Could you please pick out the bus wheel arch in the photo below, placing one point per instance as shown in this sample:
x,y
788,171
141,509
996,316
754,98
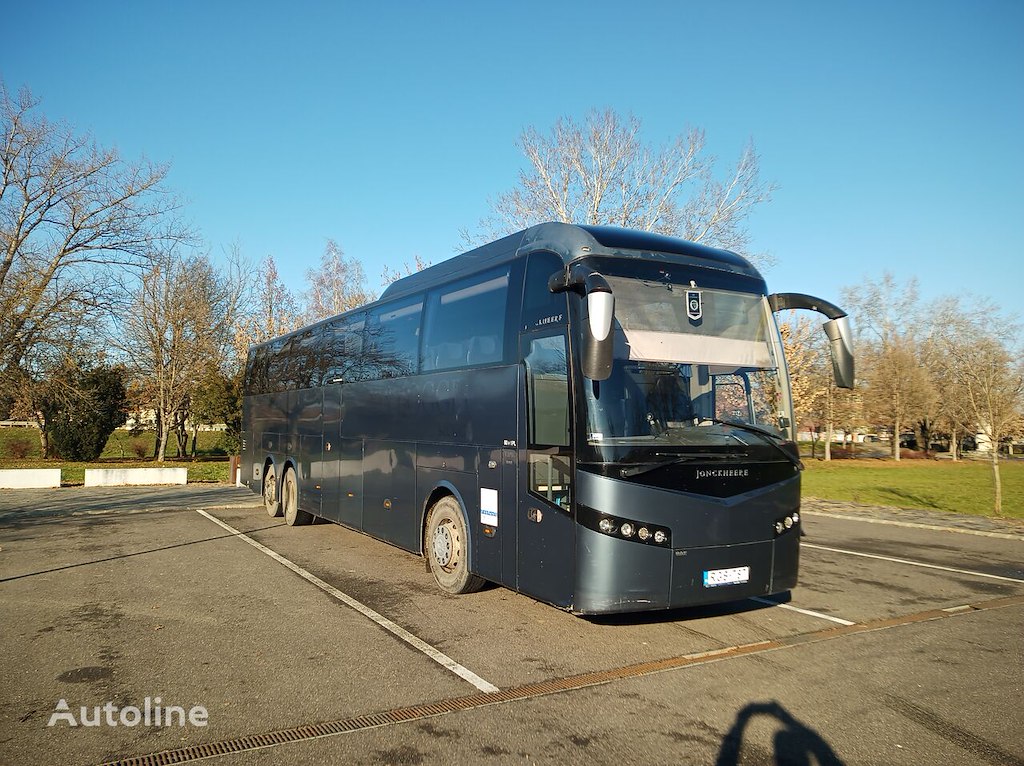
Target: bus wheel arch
x,y
271,490
446,545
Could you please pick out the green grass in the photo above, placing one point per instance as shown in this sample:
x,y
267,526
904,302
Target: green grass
x,y
961,487
120,452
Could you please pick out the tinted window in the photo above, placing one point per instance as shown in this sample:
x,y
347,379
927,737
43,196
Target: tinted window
x,y
465,322
547,388
392,338
542,307
277,365
549,458
256,379
306,359
343,348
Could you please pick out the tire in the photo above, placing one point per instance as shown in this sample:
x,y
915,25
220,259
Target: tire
x,y
293,517
447,548
271,497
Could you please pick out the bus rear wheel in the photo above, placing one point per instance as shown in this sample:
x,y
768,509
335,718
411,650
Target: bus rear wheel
x,y
293,517
271,496
447,548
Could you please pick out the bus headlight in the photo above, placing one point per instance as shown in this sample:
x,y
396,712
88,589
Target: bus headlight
x,y
786,523
624,529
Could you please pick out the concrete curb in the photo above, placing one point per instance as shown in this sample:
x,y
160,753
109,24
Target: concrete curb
x,y
29,478
121,477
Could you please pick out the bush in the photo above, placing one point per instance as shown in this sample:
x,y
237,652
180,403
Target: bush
x,y
79,425
140,449
19,449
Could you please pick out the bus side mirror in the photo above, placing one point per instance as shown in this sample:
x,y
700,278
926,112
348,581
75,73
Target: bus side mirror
x,y
598,340
598,316
837,329
839,341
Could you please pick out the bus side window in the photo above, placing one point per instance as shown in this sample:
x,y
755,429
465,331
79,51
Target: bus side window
x,y
465,322
256,371
392,339
277,365
343,348
541,307
547,396
307,358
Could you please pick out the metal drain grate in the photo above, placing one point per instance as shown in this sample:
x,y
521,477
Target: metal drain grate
x,y
527,691
430,710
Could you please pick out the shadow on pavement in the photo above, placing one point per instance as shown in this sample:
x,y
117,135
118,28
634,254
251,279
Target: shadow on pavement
x,y
793,742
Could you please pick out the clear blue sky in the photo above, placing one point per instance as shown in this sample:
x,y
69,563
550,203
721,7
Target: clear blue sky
x,y
893,129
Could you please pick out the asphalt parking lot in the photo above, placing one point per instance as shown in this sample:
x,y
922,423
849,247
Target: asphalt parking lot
x,y
903,644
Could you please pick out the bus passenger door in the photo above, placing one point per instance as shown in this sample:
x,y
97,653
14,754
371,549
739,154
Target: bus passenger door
x,y
544,524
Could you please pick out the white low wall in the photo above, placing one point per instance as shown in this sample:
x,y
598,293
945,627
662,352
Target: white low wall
x,y
119,477
29,478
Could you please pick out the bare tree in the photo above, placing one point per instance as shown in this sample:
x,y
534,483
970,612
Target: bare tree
x,y
72,215
897,388
267,308
978,357
601,172
805,357
335,286
181,319
390,275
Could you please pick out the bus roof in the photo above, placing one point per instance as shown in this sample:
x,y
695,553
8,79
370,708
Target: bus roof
x,y
571,242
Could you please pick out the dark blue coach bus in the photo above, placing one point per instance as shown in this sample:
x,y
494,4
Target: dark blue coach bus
x,y
595,417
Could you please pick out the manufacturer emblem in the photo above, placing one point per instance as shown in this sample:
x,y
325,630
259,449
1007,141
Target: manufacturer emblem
x,y
694,307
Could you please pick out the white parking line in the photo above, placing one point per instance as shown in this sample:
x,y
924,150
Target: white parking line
x,y
912,563
437,656
808,612
913,525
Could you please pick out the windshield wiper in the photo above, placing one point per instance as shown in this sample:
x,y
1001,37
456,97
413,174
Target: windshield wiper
x,y
769,436
675,459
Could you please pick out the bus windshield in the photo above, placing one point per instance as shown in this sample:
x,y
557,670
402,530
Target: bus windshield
x,y
694,371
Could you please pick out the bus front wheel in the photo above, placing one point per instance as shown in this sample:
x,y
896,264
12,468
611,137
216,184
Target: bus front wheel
x,y
271,496
447,548
293,517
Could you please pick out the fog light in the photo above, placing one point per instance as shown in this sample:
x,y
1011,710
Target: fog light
x,y
796,518
626,529
606,525
660,537
779,529
644,534
788,521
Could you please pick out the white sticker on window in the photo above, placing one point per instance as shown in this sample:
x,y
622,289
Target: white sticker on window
x,y
489,507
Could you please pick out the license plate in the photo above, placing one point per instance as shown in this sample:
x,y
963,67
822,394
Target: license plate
x,y
715,577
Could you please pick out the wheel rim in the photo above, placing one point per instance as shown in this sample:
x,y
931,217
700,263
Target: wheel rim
x,y
289,497
270,500
445,545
